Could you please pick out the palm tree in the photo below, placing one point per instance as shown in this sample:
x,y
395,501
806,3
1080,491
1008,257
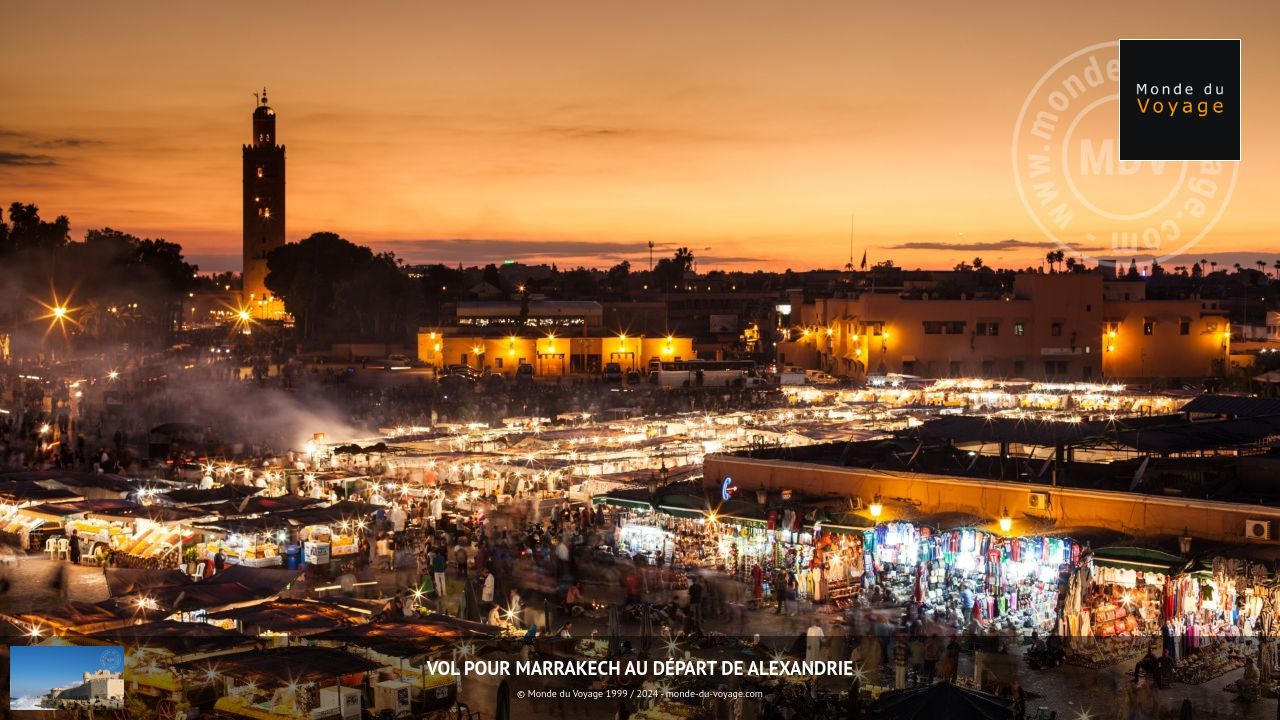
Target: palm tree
x,y
1262,266
1277,267
1213,266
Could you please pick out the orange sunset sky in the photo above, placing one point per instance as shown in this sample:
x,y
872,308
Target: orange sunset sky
x,y
577,132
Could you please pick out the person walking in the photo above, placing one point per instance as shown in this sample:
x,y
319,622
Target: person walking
x,y
439,564
486,592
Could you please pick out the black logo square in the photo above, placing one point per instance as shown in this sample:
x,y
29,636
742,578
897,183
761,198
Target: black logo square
x,y
1180,99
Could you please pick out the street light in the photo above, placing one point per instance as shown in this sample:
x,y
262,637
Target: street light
x,y
876,507
1006,522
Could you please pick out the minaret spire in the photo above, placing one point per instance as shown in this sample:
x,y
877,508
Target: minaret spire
x,y
264,94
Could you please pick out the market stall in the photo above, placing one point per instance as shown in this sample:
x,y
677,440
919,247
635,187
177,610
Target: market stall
x,y
404,649
968,574
292,682
158,535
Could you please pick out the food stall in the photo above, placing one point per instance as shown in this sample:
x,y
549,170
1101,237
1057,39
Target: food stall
x,y
326,543
288,682
97,532
404,649
252,542
158,534
24,531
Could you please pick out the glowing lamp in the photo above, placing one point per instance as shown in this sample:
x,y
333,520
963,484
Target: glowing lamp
x,y
876,507
1006,522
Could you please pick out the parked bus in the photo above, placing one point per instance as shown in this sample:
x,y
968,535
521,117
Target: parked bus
x,y
705,373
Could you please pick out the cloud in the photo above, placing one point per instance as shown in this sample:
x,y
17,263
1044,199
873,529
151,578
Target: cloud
x,y
17,159
978,246
67,142
588,252
586,132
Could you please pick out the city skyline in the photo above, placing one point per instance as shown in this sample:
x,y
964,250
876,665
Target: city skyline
x,y
577,134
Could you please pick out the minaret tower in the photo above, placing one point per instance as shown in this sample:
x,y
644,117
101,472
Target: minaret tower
x,y
263,210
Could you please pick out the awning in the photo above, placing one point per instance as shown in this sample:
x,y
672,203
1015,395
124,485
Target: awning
x,y
284,665
1141,559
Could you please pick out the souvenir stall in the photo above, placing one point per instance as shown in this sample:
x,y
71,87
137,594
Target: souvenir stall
x,y
1208,609
1112,606
1122,599
1014,579
649,535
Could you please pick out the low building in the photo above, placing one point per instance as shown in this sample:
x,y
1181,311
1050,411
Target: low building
x,y
549,354
1068,327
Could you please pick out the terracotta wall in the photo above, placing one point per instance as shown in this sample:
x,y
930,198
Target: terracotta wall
x,y
913,495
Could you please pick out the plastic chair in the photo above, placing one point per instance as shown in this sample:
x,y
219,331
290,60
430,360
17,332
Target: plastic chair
x,y
64,548
51,547
199,573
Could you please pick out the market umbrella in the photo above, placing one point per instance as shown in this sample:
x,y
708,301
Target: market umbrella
x,y
940,700
503,711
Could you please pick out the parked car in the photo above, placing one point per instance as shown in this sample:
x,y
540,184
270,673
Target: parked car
x,y
463,371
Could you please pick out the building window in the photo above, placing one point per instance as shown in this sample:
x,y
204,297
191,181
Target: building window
x,y
987,329
955,368
1184,327
1148,328
988,368
1019,368
1056,329
908,367
497,362
1088,307
943,327
1019,329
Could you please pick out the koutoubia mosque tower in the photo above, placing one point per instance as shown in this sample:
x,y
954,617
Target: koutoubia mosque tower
x,y
263,211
